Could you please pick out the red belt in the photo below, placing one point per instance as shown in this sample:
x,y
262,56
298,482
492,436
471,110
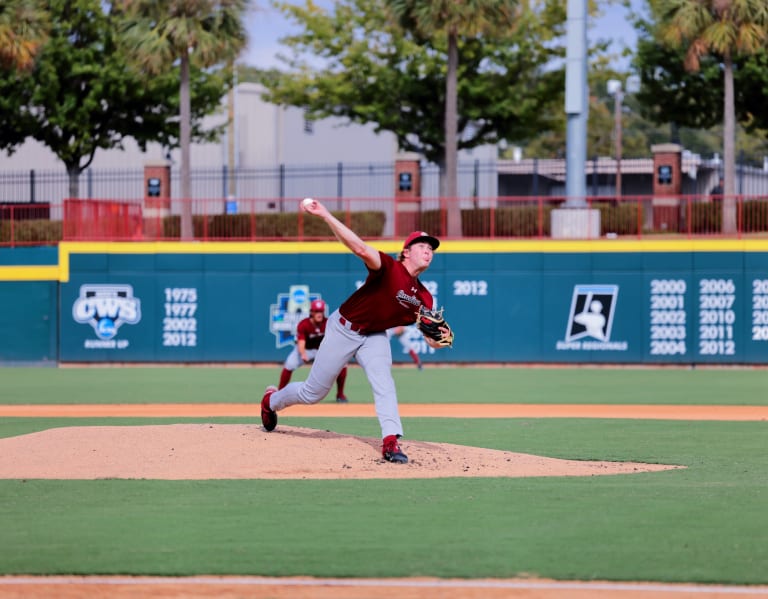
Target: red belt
x,y
352,327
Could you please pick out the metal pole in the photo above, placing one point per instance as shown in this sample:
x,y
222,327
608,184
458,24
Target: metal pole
x,y
740,170
617,117
576,103
232,188
594,176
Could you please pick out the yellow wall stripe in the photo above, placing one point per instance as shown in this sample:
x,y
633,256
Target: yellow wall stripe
x,y
394,246
29,273
60,272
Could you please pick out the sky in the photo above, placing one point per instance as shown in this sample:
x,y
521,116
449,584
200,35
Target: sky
x,y
266,25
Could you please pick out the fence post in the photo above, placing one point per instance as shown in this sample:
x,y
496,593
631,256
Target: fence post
x,y
594,176
282,186
535,177
89,180
339,184
740,170
32,185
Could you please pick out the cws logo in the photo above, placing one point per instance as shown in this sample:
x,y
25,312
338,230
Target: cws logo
x,y
591,319
106,308
290,309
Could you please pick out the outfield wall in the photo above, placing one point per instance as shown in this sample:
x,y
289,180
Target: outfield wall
x,y
606,302
29,291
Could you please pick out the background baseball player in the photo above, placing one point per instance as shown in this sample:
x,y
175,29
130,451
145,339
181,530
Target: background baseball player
x,y
391,296
309,333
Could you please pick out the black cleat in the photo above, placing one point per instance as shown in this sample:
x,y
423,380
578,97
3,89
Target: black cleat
x,y
391,451
268,415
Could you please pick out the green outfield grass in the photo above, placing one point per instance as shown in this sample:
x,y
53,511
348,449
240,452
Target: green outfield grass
x,y
461,384
706,523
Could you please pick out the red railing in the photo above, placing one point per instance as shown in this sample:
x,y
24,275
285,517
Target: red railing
x,y
94,220
28,224
387,218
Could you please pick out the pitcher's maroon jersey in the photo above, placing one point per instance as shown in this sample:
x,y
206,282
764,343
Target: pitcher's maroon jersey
x,y
390,297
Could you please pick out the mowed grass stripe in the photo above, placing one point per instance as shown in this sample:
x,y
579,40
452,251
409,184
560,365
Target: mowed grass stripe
x,y
435,384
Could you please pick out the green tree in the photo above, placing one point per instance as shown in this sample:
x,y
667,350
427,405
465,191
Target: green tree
x,y
81,96
468,19
689,104
600,129
23,30
671,95
751,85
355,63
203,33
726,29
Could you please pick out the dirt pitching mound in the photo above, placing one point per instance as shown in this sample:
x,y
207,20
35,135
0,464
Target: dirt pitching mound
x,y
222,451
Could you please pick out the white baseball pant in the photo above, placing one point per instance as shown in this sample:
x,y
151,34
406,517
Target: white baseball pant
x,y
372,352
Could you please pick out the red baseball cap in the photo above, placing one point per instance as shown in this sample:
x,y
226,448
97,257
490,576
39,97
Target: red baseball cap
x,y
317,305
421,236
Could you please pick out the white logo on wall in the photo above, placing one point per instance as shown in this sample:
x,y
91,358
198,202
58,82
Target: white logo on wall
x,y
412,339
290,309
106,308
591,319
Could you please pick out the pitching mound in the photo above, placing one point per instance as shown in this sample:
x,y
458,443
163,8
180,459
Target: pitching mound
x,y
218,451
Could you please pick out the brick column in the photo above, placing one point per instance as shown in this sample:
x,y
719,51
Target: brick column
x,y
407,194
664,213
157,197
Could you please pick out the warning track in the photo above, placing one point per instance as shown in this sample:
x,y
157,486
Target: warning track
x,y
333,410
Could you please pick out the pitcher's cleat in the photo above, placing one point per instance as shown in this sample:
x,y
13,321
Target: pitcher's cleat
x,y
391,451
268,415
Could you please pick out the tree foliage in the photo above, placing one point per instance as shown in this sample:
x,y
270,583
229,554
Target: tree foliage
x,y
637,135
356,64
670,93
81,96
751,84
446,20
198,34
23,30
690,103
726,30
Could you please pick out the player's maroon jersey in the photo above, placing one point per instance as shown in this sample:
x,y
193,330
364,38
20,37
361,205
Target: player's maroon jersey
x,y
390,297
311,331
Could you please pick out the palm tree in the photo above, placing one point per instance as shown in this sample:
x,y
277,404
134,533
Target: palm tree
x,y
161,32
23,30
727,29
452,19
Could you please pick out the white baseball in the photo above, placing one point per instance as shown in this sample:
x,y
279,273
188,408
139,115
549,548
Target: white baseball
x,y
306,202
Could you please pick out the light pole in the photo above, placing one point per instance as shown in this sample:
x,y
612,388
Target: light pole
x,y
615,89
231,132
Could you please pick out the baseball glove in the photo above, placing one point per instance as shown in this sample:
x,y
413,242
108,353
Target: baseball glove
x,y
432,324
